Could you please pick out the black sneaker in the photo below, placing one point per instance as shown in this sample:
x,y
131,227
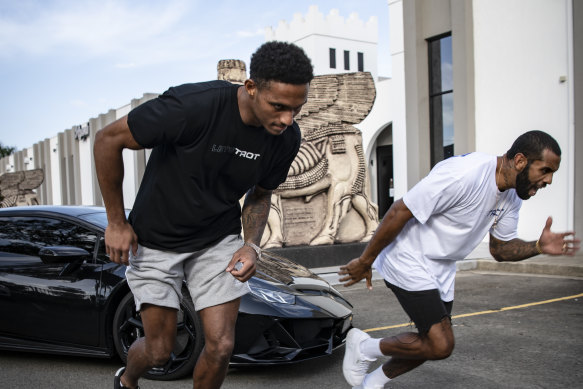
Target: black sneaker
x,y
117,378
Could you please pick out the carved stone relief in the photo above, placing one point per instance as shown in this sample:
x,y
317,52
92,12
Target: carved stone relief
x,y
18,188
232,70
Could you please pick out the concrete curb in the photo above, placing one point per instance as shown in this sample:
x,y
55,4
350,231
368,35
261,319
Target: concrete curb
x,y
527,267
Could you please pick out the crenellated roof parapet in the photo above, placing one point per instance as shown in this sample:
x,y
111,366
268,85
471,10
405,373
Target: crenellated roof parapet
x,y
314,22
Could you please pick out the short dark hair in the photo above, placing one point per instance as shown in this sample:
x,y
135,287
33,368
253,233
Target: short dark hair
x,y
532,144
280,61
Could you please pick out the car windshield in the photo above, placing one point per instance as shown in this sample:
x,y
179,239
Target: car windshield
x,y
98,218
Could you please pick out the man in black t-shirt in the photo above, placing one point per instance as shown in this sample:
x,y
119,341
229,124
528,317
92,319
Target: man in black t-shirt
x,y
211,143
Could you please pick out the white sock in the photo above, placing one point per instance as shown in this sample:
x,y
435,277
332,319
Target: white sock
x,y
371,348
375,378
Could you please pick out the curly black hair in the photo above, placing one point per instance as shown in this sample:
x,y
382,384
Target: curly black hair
x,y
532,144
280,61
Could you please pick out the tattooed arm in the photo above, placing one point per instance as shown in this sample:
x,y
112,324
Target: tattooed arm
x,y
254,214
254,218
512,250
550,243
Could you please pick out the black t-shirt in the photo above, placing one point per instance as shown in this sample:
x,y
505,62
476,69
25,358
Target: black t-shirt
x,y
204,159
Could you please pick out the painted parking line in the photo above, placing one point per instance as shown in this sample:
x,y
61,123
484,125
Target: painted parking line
x,y
487,312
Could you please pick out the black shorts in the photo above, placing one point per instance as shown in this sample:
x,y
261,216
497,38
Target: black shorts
x,y
425,308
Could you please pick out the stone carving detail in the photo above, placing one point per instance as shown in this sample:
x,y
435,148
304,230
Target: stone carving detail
x,y
17,188
331,165
232,70
309,166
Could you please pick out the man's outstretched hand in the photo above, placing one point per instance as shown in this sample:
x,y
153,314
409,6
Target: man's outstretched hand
x,y
563,243
354,271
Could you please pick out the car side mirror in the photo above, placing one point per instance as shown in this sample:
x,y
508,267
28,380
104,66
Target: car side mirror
x,y
62,254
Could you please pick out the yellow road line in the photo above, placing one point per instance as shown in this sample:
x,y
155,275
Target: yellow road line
x,y
487,312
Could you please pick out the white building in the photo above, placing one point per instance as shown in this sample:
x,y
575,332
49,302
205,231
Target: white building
x,y
515,66
333,43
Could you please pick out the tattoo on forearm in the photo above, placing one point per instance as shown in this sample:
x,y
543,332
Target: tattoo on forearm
x,y
512,250
254,216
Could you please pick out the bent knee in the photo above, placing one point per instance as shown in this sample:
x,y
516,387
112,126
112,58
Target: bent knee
x,y
158,355
220,349
159,358
442,350
441,340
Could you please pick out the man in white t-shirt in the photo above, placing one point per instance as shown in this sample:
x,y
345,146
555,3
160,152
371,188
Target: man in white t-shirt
x,y
439,221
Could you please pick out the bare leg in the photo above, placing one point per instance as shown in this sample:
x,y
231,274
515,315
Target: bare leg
x,y
410,350
219,333
395,366
155,347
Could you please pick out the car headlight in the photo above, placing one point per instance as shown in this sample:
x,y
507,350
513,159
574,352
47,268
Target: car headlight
x,y
271,295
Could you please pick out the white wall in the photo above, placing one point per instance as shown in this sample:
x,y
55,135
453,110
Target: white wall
x,y
29,159
521,51
55,158
318,48
9,168
398,115
86,171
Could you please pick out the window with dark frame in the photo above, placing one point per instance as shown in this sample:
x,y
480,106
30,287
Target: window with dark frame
x,y
361,62
26,235
440,98
346,60
332,58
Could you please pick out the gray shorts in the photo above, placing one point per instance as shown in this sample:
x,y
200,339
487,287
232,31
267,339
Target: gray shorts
x,y
156,277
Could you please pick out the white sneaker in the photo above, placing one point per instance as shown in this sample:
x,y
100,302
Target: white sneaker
x,y
355,365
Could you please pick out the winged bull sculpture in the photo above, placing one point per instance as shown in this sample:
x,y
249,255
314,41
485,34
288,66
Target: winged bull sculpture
x,y
330,163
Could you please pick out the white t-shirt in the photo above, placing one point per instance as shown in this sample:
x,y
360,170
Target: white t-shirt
x,y
453,208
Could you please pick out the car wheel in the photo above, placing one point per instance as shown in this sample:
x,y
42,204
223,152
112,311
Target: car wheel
x,y
127,327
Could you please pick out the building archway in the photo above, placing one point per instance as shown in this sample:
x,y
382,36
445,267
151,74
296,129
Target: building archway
x,y
381,169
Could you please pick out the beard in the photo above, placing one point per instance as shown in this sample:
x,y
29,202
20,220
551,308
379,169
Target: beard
x,y
523,183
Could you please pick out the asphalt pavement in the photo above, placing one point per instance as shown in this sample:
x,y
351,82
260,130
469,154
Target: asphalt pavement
x,y
517,325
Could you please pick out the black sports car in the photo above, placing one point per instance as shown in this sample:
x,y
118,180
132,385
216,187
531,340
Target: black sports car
x,y
59,293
